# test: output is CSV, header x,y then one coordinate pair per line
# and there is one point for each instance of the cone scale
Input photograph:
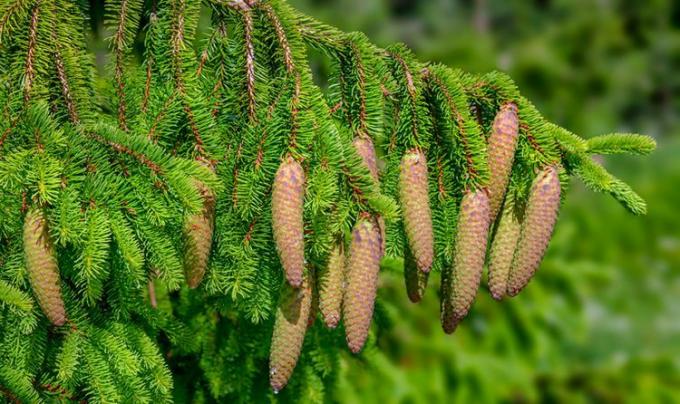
x,y
198,233
415,203
537,227
460,287
290,326
362,281
502,144
287,208
41,264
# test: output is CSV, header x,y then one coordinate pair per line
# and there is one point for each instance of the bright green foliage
x,y
114,168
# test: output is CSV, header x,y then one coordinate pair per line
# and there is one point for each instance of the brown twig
x,y
30,54
250,62
118,45
125,150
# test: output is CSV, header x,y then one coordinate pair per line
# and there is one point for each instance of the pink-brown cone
x,y
362,282
502,251
287,208
331,281
501,149
365,149
461,286
415,204
41,264
198,232
290,326
539,221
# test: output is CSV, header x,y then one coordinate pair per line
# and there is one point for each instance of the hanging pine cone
x,y
501,150
290,326
362,282
415,203
537,227
287,208
331,286
365,149
502,250
415,279
41,264
472,231
198,232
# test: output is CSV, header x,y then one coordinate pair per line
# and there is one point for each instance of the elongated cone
x,y
415,203
290,326
468,262
415,279
331,281
502,251
198,232
287,208
362,282
41,264
537,227
501,148
365,149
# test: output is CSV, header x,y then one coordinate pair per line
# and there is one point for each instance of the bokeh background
x,y
601,321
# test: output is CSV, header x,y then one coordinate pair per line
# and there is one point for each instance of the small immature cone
x,y
415,203
288,195
537,227
290,326
365,149
41,264
502,251
198,232
468,262
415,279
331,287
362,281
501,148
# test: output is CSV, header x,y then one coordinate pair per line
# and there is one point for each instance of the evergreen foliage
x,y
161,208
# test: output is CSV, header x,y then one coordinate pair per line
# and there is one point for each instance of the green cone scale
x,y
290,326
287,208
415,279
537,227
198,233
460,289
502,250
502,144
41,264
363,266
415,204
330,283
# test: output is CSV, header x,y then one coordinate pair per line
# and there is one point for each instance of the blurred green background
x,y
601,321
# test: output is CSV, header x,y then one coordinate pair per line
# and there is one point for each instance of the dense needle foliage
x,y
199,129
